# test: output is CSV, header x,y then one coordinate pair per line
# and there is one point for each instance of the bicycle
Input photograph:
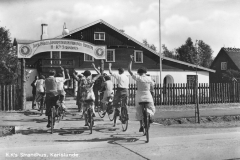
x,y
89,114
145,120
123,116
109,110
60,112
53,113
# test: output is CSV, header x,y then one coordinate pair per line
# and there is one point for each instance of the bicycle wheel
x,y
111,114
124,118
52,118
90,120
146,125
100,111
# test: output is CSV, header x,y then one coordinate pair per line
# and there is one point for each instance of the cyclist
x,y
40,92
60,83
143,93
107,86
86,85
51,94
79,94
122,90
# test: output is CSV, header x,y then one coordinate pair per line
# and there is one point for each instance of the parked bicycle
x,y
145,120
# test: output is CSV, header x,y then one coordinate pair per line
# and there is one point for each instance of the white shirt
x,y
122,80
40,85
60,83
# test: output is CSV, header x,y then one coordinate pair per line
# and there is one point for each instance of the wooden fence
x,y
9,98
183,94
171,94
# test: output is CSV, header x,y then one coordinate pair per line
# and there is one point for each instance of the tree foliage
x,y
167,53
231,75
199,53
152,46
8,58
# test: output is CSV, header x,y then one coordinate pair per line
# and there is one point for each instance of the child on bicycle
x,y
60,83
143,93
107,86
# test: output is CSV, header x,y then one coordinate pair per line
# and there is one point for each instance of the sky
x,y
216,22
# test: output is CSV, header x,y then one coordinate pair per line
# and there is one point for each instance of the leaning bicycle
x,y
89,114
145,120
123,115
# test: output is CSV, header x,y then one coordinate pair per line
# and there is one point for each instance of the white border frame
x,y
135,56
113,55
99,36
88,60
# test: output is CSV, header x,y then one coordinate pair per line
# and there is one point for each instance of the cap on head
x,y
142,70
107,78
86,73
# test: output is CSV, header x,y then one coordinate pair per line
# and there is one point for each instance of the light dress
x,y
143,94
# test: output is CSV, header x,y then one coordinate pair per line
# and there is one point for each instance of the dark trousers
x,y
121,92
51,100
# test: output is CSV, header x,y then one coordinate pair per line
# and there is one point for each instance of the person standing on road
x,y
51,94
122,90
143,93
33,84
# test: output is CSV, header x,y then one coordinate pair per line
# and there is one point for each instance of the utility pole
x,y
160,56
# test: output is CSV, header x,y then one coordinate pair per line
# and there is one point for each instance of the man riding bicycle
x,y
122,89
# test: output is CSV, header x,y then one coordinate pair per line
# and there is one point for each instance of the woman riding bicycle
x,y
86,87
143,93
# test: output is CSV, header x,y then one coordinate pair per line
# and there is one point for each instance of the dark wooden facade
x,y
123,46
224,55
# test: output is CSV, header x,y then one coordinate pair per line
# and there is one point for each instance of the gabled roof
x,y
234,54
134,40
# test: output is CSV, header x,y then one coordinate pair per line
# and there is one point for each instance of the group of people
x,y
48,91
143,81
53,87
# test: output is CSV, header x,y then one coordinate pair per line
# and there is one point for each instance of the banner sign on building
x,y
29,50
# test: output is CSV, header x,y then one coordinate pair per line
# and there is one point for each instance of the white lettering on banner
x,y
29,50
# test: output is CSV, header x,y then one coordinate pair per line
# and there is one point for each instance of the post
x,y
23,84
197,118
160,56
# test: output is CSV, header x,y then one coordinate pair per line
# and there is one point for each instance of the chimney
x,y
44,32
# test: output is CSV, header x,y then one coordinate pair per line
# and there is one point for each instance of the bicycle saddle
x,y
89,101
143,103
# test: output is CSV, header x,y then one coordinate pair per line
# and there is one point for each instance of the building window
x,y
110,55
138,56
99,36
223,65
88,58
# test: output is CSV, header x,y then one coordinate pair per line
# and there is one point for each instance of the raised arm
x,y
93,65
110,68
75,76
130,65
66,79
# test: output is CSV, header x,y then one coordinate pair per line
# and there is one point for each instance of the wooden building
x,y
101,43
227,58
